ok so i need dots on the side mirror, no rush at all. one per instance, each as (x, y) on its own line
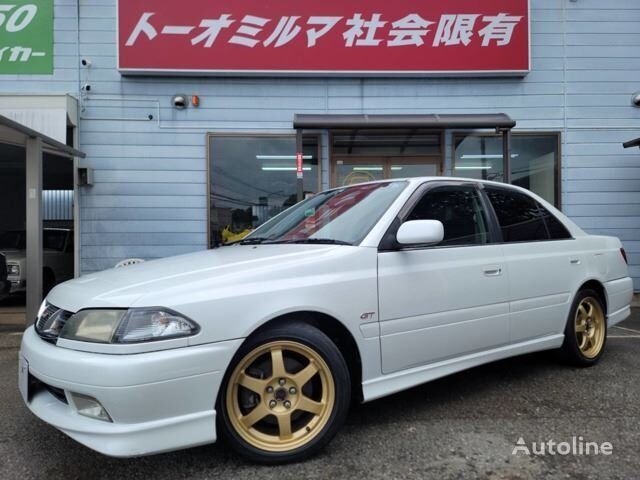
(420, 232)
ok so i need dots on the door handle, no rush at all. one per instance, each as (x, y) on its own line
(574, 261)
(492, 271)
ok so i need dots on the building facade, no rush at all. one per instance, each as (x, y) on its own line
(180, 162)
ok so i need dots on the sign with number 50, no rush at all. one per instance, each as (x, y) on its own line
(26, 37)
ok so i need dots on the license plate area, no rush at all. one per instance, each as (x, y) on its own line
(23, 378)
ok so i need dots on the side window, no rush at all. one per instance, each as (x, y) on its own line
(557, 231)
(460, 211)
(518, 214)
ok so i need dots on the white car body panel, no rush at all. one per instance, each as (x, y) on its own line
(542, 280)
(311, 278)
(413, 315)
(159, 398)
(423, 319)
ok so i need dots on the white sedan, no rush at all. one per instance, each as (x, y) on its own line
(353, 294)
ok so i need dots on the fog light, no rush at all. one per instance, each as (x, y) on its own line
(90, 407)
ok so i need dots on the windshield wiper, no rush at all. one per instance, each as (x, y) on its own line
(267, 241)
(247, 241)
(327, 241)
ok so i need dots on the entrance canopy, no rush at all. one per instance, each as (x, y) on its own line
(34, 143)
(499, 121)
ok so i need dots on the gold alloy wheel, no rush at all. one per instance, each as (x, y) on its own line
(590, 327)
(280, 396)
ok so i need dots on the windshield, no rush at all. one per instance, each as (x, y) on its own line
(14, 240)
(342, 216)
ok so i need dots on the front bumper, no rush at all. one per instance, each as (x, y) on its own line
(17, 286)
(158, 401)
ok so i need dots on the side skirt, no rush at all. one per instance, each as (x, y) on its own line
(398, 381)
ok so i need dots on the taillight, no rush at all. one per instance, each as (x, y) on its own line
(624, 255)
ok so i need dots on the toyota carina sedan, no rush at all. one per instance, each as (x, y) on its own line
(355, 293)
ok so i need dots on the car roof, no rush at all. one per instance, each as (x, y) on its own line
(418, 180)
(415, 181)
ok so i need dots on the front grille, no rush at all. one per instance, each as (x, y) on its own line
(49, 324)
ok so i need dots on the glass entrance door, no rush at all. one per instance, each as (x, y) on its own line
(350, 170)
(364, 155)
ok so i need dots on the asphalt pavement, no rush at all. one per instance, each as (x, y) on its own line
(463, 426)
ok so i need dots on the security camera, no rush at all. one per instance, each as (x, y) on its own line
(635, 99)
(85, 62)
(179, 102)
(86, 87)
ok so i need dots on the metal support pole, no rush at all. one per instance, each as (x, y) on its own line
(506, 155)
(299, 164)
(34, 227)
(76, 210)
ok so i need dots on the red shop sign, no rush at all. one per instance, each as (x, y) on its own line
(328, 37)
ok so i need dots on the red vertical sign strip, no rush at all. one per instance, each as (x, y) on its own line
(299, 159)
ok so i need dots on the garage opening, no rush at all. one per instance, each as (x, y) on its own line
(36, 218)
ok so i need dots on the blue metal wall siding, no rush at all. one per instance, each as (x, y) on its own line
(601, 186)
(149, 198)
(57, 205)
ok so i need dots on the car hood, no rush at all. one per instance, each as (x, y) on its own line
(15, 255)
(223, 267)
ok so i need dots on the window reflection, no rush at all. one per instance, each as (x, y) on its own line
(479, 157)
(253, 178)
(353, 171)
(407, 170)
(351, 174)
(534, 161)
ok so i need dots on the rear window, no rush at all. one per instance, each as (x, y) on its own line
(523, 219)
(518, 214)
(557, 231)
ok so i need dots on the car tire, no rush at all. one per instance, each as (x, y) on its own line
(585, 335)
(272, 416)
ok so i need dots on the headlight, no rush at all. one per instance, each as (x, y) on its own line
(93, 325)
(13, 269)
(127, 326)
(142, 325)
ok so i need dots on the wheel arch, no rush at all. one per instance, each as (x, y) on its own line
(598, 287)
(336, 331)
